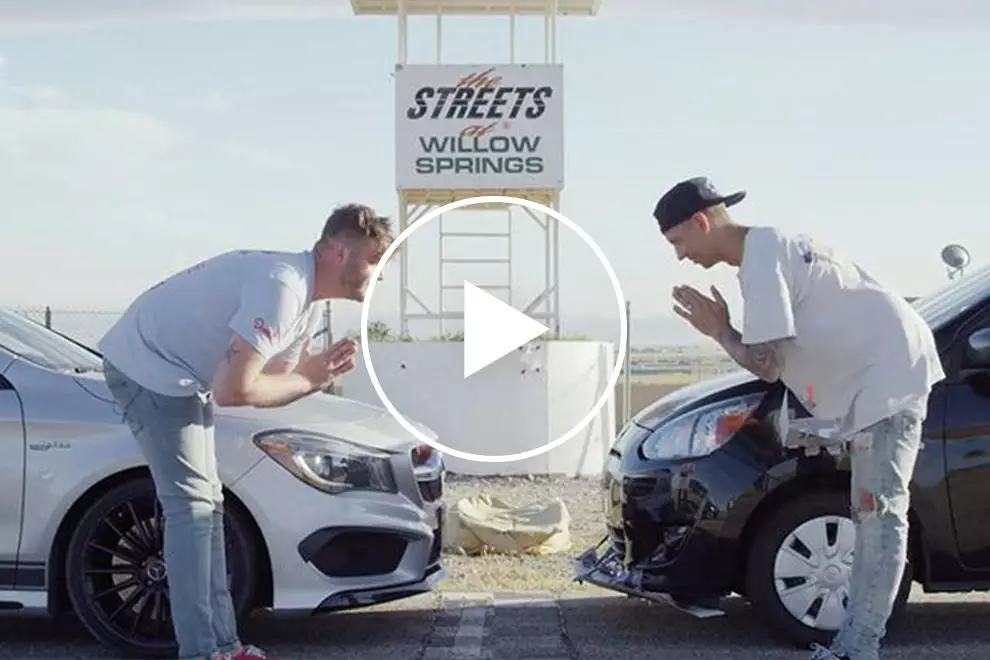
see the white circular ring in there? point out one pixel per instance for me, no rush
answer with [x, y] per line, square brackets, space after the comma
[616, 369]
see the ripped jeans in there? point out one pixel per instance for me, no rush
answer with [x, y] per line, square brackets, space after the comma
[883, 457]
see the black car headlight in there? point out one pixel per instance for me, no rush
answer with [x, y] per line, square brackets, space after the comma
[699, 432]
[328, 463]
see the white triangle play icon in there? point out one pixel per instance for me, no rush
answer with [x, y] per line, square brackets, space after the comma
[492, 329]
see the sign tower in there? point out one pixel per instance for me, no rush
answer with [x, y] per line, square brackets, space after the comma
[468, 130]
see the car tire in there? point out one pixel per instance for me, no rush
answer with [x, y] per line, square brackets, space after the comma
[133, 580]
[798, 518]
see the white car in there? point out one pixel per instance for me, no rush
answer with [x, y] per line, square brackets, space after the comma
[331, 504]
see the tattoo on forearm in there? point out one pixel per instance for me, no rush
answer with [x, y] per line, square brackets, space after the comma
[762, 360]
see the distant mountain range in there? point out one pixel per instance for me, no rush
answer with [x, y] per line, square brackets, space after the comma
[644, 331]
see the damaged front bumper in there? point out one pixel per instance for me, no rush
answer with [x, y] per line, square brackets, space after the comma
[606, 570]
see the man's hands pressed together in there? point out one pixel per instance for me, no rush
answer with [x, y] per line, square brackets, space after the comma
[709, 316]
[321, 368]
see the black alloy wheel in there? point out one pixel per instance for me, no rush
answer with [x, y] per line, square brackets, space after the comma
[116, 575]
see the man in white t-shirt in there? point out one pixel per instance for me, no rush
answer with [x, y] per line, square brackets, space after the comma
[233, 330]
[849, 348]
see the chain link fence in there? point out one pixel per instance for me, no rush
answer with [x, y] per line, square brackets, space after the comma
[83, 325]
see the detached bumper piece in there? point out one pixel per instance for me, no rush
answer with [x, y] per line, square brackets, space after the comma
[349, 552]
[607, 571]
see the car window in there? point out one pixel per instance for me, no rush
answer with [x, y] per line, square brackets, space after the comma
[34, 342]
[954, 298]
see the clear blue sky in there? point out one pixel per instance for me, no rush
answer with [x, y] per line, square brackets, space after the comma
[129, 149]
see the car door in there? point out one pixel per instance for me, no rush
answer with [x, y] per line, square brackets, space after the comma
[11, 477]
[967, 450]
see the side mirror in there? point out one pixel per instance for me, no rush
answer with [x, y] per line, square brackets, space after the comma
[978, 350]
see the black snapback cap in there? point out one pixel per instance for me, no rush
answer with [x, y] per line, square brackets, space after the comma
[687, 198]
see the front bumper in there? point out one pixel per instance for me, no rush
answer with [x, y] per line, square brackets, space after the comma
[356, 598]
[357, 553]
[332, 552]
[352, 552]
[669, 522]
[605, 570]
[673, 528]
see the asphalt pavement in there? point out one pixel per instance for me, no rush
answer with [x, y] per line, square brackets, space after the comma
[577, 626]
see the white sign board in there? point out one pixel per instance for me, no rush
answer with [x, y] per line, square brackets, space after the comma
[479, 126]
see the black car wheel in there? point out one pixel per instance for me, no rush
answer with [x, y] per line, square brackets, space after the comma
[799, 568]
[115, 573]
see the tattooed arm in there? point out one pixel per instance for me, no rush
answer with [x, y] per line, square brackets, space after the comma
[766, 360]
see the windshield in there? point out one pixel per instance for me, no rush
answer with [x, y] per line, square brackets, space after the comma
[949, 301]
[33, 341]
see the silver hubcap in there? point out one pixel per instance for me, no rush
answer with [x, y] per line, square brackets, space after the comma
[812, 570]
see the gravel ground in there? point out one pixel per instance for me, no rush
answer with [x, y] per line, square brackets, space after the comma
[549, 573]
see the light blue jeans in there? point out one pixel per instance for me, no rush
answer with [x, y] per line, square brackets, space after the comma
[176, 437]
[882, 458]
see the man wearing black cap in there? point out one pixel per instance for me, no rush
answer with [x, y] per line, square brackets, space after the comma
[853, 351]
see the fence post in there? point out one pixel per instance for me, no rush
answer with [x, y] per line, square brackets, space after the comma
[627, 381]
[48, 317]
[335, 387]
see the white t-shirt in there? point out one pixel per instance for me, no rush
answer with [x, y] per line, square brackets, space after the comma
[860, 352]
[173, 336]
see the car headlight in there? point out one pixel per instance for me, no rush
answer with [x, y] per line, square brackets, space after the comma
[328, 463]
[702, 431]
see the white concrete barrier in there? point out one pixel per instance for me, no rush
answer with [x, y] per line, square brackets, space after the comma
[525, 400]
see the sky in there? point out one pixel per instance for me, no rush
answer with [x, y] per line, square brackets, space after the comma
[138, 138]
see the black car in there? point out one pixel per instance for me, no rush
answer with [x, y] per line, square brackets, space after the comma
[703, 500]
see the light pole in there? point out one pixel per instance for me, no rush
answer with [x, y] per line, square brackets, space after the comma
[956, 258]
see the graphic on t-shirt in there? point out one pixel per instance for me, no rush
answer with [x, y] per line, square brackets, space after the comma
[264, 328]
[810, 250]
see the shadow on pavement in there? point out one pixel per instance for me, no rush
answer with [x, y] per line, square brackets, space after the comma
[402, 631]
[587, 628]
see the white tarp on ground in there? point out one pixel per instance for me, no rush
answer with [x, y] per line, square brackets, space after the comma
[483, 524]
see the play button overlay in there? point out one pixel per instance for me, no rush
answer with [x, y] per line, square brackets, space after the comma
[492, 329]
